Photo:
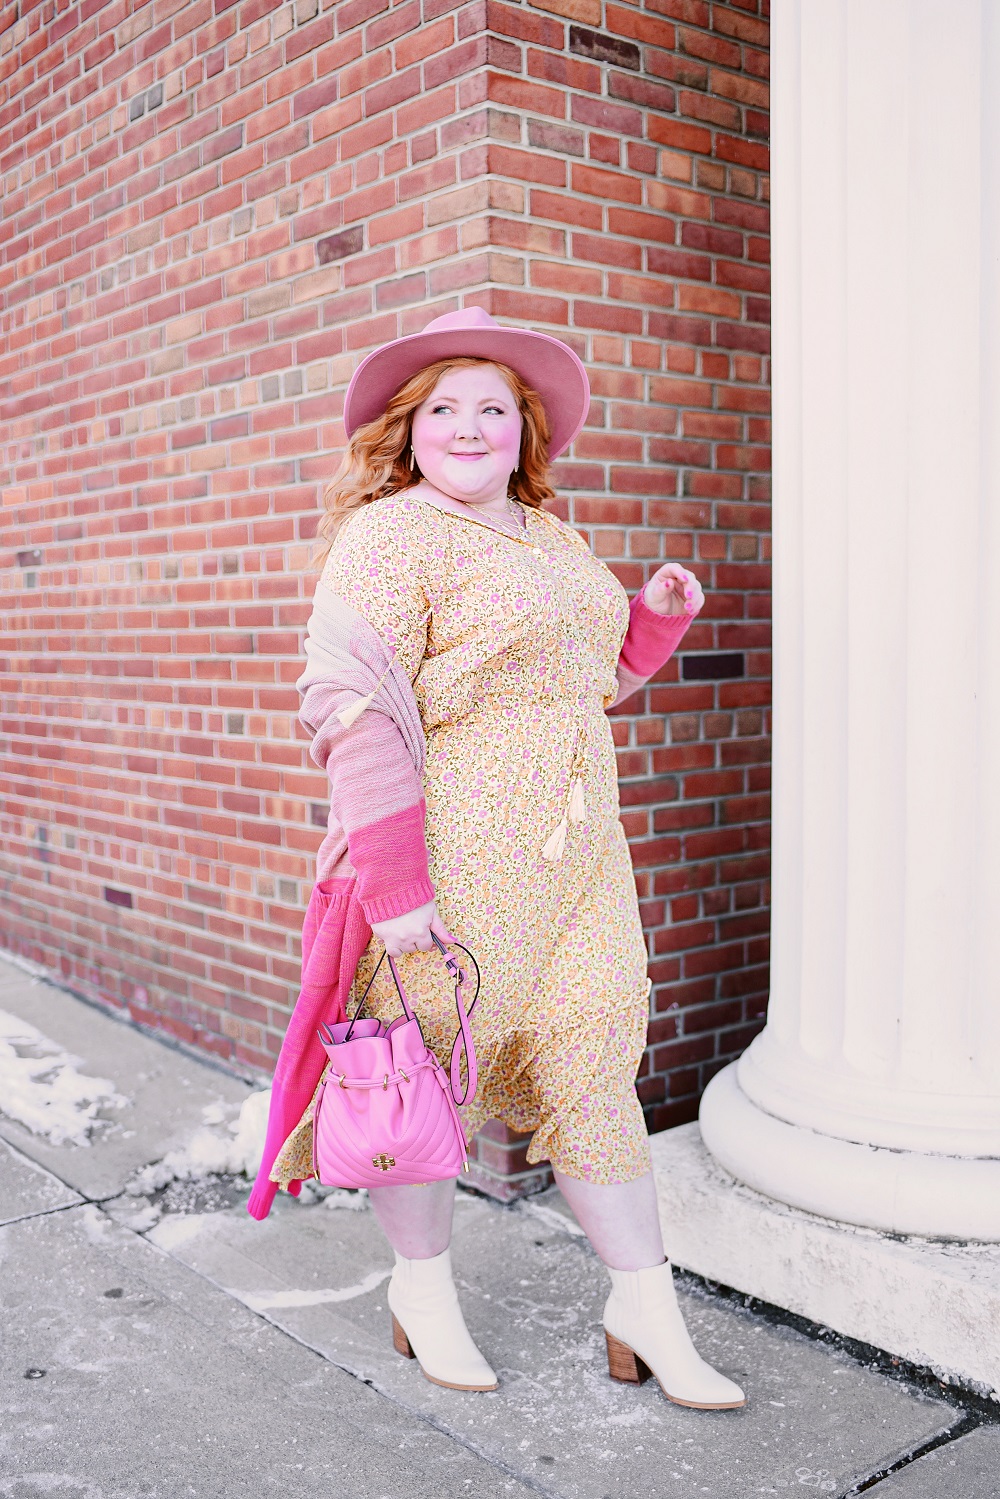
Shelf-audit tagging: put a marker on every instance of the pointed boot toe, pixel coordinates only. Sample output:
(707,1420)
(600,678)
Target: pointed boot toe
(646,1336)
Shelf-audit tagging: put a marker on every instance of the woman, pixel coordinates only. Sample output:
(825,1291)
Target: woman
(499,828)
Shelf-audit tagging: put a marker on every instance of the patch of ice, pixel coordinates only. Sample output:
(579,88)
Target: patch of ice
(41,1088)
(233,1151)
(262,1301)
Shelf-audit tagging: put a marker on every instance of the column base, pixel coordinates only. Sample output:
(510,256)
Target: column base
(896,1191)
(935,1305)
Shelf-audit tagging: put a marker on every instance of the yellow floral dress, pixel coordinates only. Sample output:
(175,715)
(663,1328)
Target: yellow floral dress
(512,676)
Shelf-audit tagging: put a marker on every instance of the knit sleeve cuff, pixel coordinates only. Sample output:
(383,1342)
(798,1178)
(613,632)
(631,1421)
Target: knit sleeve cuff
(390,856)
(403,899)
(651,638)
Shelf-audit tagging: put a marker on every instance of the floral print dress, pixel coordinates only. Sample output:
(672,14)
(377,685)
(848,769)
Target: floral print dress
(513,673)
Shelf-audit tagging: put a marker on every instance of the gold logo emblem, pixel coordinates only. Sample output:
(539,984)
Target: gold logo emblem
(383,1162)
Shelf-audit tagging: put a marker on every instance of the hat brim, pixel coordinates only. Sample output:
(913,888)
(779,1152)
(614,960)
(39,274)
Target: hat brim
(548,365)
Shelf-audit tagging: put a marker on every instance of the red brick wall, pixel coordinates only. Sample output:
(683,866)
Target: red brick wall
(209,213)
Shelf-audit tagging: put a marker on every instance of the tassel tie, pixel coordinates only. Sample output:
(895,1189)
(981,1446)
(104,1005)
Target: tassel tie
(576,810)
(354,710)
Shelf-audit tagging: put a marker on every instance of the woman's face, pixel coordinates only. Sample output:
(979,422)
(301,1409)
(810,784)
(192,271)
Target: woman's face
(467,434)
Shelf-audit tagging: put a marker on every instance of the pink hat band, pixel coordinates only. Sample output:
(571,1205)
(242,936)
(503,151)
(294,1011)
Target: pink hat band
(548,365)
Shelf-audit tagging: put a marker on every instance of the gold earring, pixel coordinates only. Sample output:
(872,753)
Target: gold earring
(413,461)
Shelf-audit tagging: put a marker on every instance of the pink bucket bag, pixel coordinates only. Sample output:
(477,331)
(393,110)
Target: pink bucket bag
(386,1113)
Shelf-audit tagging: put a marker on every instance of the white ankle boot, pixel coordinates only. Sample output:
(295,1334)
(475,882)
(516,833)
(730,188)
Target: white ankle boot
(646,1335)
(427,1324)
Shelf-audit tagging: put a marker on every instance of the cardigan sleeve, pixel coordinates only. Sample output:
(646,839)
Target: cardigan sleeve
(376,792)
(650,641)
(376,804)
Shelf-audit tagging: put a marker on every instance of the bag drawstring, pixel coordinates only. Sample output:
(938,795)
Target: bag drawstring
(576,809)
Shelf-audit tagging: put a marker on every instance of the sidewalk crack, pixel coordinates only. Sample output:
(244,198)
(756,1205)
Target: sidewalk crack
(490,1458)
(429,1420)
(63,1207)
(959,1428)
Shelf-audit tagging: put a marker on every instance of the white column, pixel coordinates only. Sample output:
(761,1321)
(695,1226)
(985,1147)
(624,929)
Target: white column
(873,1094)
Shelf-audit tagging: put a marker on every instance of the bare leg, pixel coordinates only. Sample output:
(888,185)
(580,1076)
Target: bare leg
(427,1320)
(622,1221)
(415,1220)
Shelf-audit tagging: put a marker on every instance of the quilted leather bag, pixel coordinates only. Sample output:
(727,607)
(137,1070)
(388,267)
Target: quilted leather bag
(387,1114)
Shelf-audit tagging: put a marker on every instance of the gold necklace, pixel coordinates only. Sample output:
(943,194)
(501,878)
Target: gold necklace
(515,513)
(498,524)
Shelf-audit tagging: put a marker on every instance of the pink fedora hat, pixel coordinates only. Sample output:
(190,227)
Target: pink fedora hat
(546,364)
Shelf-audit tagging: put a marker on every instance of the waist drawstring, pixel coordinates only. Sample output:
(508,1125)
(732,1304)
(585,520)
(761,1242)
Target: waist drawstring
(576,807)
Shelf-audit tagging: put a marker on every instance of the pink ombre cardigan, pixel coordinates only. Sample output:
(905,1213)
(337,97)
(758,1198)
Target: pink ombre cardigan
(372,864)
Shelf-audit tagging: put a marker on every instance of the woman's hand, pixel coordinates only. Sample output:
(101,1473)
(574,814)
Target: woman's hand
(673,590)
(411,932)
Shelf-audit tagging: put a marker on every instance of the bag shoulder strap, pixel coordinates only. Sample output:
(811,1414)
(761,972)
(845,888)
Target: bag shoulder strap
(463,1037)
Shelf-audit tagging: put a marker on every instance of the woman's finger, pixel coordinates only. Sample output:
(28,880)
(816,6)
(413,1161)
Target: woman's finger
(438,926)
(673,575)
(674,570)
(690,586)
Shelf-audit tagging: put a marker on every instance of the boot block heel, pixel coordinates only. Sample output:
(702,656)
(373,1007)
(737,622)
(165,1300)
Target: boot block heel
(400,1341)
(623,1364)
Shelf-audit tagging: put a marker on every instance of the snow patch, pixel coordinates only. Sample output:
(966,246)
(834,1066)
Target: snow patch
(634,1417)
(41,1088)
(213,1150)
(173,1232)
(95,1224)
(550,1216)
(344,1199)
(143,1219)
(263,1301)
(50,1483)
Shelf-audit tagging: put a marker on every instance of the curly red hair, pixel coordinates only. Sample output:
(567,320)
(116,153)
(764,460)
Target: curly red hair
(376,462)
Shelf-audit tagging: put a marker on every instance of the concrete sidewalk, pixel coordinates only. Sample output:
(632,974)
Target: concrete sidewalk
(160,1343)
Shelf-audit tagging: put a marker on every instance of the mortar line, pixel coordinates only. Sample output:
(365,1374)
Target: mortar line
(969,1405)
